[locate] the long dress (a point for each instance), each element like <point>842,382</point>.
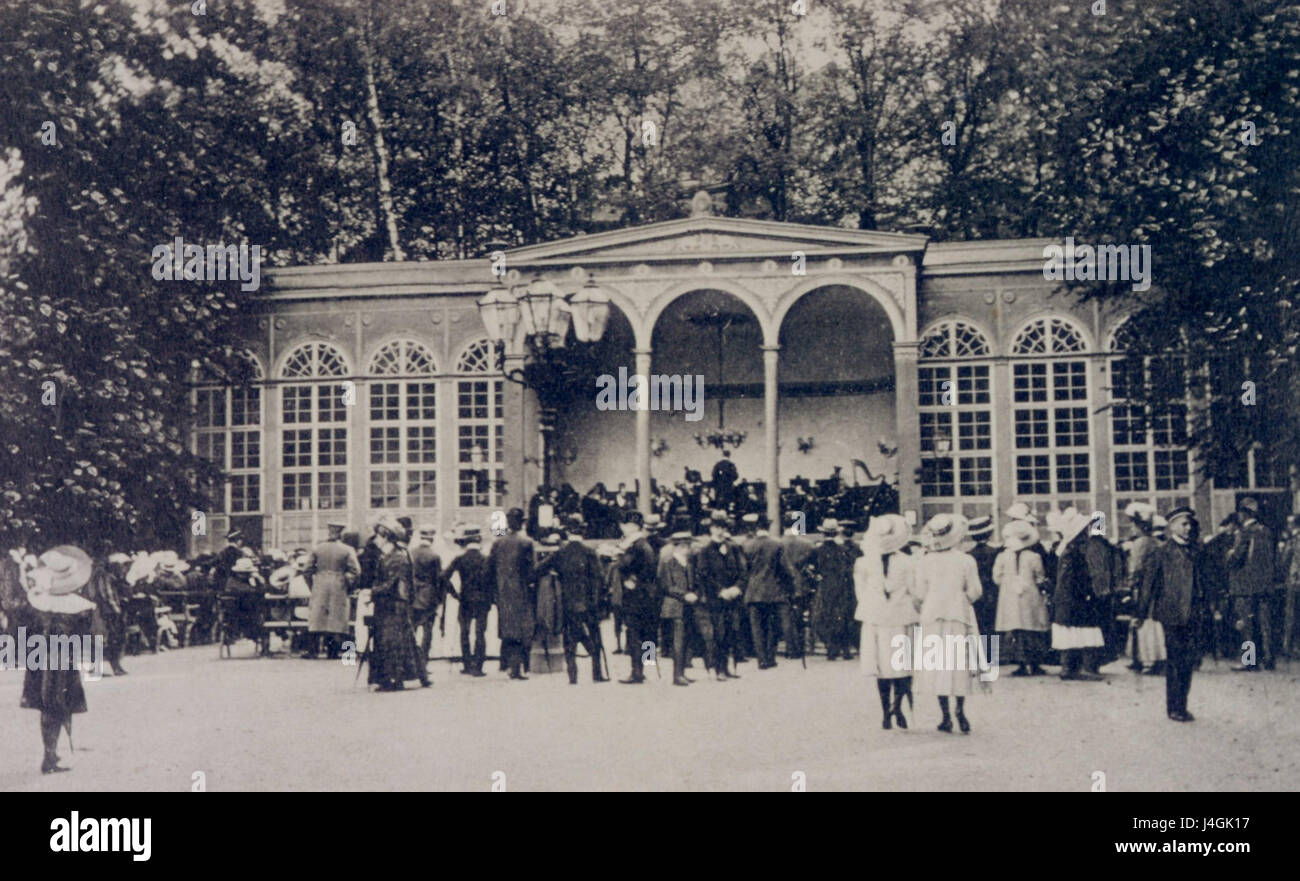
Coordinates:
<point>1022,608</point>
<point>948,584</point>
<point>395,659</point>
<point>887,608</point>
<point>832,605</point>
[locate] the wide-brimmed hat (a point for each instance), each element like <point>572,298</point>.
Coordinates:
<point>830,526</point>
<point>391,525</point>
<point>69,569</point>
<point>946,530</point>
<point>1071,522</point>
<point>243,564</point>
<point>886,533</point>
<point>681,535</point>
<point>1020,511</point>
<point>119,557</point>
<point>142,566</point>
<point>1143,511</point>
<point>1019,534</point>
<point>282,576</point>
<point>468,535</point>
<point>169,560</point>
<point>653,521</point>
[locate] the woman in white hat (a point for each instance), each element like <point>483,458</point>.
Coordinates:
<point>1022,608</point>
<point>1076,610</point>
<point>948,583</point>
<point>58,616</point>
<point>883,580</point>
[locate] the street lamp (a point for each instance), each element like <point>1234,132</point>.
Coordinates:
<point>546,315</point>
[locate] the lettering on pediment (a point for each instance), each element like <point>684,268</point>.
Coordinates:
<point>708,241</point>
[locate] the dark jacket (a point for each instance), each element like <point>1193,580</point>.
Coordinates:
<point>581,577</point>
<point>510,563</point>
<point>796,551</point>
<point>1250,560</point>
<point>768,581</point>
<point>675,581</point>
<point>429,584</point>
<point>475,581</point>
<point>639,565</point>
<point>835,600</point>
<point>1074,604</point>
<point>1176,584</point>
<point>716,570</point>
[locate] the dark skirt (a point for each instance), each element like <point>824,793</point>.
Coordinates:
<point>57,692</point>
<point>395,658</point>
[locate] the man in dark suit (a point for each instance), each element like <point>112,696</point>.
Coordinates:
<point>475,598</point>
<point>719,581</point>
<point>796,556</point>
<point>510,563</point>
<point>581,578</point>
<point>639,599</point>
<point>986,607</point>
<point>767,593</point>
<point>430,588</point>
<point>1175,592</point>
<point>1251,563</point>
<point>725,476</point>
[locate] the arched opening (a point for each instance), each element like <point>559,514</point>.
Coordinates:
<point>836,388</point>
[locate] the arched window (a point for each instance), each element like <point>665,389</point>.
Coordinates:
<point>1050,415</point>
<point>403,427</point>
<point>956,414</point>
<point>228,433</point>
<point>314,436</point>
<point>480,425</point>
<point>1149,444</point>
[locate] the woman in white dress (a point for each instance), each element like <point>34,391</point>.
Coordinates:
<point>1022,608</point>
<point>883,580</point>
<point>948,583</point>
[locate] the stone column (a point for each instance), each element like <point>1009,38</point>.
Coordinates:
<point>643,437</point>
<point>908,426</point>
<point>772,473</point>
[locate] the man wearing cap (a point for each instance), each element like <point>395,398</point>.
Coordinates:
<point>333,568</point>
<point>767,592</point>
<point>639,599</point>
<point>1175,588</point>
<point>581,577</point>
<point>430,587</point>
<point>834,602</point>
<point>1250,584</point>
<point>719,576</point>
<point>986,607</point>
<point>475,596</point>
<point>510,563</point>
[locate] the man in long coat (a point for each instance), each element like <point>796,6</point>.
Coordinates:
<point>510,566</point>
<point>768,589</point>
<point>719,581</point>
<point>639,598</point>
<point>430,588</point>
<point>796,552</point>
<point>333,569</point>
<point>1175,591</point>
<point>835,601</point>
<point>581,578</point>
<point>1250,583</point>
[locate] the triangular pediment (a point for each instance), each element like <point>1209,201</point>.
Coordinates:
<point>716,237</point>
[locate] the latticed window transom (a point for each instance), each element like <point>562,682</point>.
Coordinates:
<point>477,358</point>
<point>403,358</point>
<point>314,359</point>
<point>1049,336</point>
<point>954,339</point>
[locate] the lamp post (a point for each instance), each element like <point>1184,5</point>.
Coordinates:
<point>543,316</point>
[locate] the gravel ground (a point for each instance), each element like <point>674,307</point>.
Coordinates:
<point>287,724</point>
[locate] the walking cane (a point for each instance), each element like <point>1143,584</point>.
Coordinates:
<point>365,655</point>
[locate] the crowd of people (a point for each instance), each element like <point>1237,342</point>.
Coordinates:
<point>721,590</point>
